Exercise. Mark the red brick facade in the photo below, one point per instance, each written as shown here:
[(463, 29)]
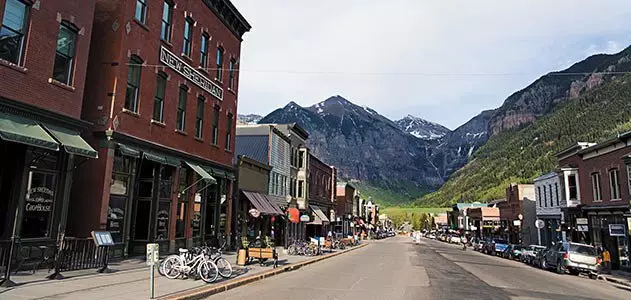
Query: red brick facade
[(321, 184), (30, 81), (118, 36)]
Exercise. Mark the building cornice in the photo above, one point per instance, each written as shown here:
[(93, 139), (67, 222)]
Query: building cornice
[(230, 16)]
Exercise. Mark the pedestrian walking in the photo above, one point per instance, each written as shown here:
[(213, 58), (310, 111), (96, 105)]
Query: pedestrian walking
[(606, 261)]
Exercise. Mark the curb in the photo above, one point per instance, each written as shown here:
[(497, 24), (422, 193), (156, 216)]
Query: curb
[(614, 280), (204, 292)]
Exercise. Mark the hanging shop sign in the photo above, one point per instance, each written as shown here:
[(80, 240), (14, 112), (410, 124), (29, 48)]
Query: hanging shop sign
[(293, 214), (174, 62), (305, 218), (617, 230), (254, 212)]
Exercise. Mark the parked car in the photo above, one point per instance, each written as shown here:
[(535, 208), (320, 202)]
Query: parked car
[(495, 246), (478, 245), (537, 260), (529, 253), (454, 239), (573, 258), (514, 252), (432, 236)]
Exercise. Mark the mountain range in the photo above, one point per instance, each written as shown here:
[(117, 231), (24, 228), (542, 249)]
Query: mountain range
[(412, 156)]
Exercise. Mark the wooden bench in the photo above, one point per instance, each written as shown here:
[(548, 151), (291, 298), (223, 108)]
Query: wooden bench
[(263, 254)]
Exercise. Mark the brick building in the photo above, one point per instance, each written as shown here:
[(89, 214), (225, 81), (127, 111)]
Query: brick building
[(162, 87), (603, 188), (345, 209), (43, 57), (321, 182), (518, 213)]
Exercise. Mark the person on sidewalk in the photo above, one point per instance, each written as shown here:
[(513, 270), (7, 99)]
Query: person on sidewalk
[(606, 261)]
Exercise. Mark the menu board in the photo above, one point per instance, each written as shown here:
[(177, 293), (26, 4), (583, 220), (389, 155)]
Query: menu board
[(162, 224), (102, 238)]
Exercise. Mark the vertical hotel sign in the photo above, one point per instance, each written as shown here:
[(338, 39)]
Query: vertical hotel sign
[(172, 61)]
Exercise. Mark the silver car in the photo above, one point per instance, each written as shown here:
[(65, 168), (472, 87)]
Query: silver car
[(573, 258)]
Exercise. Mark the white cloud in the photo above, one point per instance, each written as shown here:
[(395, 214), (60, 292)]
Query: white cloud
[(418, 57)]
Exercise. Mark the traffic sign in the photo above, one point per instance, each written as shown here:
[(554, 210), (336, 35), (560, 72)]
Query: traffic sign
[(540, 224)]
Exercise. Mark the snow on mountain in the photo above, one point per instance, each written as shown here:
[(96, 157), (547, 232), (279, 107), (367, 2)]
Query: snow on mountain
[(422, 128), (248, 119)]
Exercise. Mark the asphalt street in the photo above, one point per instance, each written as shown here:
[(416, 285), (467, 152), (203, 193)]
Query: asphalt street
[(396, 268)]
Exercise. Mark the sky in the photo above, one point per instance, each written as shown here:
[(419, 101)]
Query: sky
[(441, 60)]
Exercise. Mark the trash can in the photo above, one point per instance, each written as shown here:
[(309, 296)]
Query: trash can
[(241, 257)]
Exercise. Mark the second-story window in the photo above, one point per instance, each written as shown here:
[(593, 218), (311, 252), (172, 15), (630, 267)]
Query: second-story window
[(596, 187), (199, 120), (539, 195), (571, 182), (188, 37), (158, 102), (551, 197), (545, 195), (614, 184), (141, 11), (215, 129), (167, 17), (181, 109), (556, 192), (13, 31), (133, 83), (301, 159), (229, 132), (64, 55), (231, 74), (203, 55), (219, 64)]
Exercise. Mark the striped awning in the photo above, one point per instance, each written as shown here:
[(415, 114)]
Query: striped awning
[(263, 204)]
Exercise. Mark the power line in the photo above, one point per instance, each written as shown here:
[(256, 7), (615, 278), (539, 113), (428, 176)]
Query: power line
[(355, 73)]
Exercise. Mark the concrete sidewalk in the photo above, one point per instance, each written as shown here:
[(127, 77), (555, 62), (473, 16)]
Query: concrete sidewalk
[(130, 281), (619, 277)]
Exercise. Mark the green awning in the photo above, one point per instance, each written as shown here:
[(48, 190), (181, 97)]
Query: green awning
[(154, 157), (24, 131), (218, 173), (72, 142), (172, 161), (199, 170), (128, 151), (230, 176)]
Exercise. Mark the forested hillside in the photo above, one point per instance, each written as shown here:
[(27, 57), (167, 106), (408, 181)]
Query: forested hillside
[(522, 154)]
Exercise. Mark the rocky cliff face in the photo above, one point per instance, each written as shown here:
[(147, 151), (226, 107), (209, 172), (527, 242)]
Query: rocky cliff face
[(362, 144), (540, 97), (248, 119), (422, 128), (456, 147)]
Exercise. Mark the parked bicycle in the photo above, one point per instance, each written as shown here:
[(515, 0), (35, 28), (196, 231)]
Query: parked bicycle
[(189, 263)]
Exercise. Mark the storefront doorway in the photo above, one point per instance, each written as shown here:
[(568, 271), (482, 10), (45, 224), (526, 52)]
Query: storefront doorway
[(152, 207)]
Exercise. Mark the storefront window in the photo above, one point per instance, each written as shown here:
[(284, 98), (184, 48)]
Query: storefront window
[(180, 222), (38, 210), (197, 215), (166, 180), (119, 187), (116, 217)]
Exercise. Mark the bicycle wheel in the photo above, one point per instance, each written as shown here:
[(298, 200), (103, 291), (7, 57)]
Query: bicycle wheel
[(224, 267), (171, 267), (292, 250), (208, 271)]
